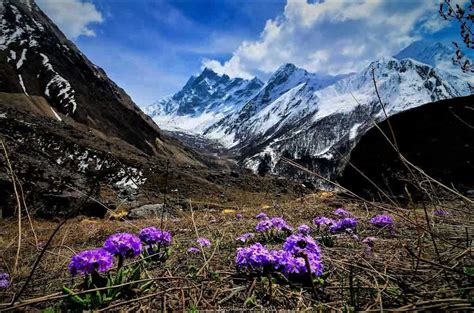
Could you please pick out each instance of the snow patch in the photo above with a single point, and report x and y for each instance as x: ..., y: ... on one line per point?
x: 56, y: 115
x: 20, y: 79
x: 59, y: 86
x: 353, y: 131
x: 22, y: 59
x: 12, y: 56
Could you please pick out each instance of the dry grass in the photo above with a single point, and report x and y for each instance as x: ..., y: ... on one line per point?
x: 403, y: 272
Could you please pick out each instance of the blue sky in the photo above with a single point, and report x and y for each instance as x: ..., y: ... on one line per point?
x: 151, y: 47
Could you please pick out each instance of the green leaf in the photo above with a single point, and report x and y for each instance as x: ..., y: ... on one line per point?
x: 74, y: 297
x: 146, y: 286
x: 469, y: 270
x: 250, y: 301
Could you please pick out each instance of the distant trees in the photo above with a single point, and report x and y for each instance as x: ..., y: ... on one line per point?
x: 464, y: 15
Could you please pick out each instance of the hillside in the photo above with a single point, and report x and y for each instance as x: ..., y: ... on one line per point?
x: 435, y: 137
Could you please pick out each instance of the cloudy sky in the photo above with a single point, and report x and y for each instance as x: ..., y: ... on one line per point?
x: 151, y: 47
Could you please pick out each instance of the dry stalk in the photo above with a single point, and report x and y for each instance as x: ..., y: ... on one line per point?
x: 10, y: 169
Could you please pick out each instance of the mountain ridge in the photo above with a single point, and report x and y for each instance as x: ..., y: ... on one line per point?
x: 294, y: 105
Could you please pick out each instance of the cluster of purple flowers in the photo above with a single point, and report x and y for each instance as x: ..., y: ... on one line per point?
x: 280, y: 224
x: 89, y: 261
x: 440, y: 212
x: 194, y: 250
x: 323, y: 221
x: 203, y: 242
x: 255, y: 257
x: 348, y: 223
x: 289, y: 261
x: 300, y: 243
x: 123, y: 244
x: 153, y: 235
x: 290, y: 264
x: 245, y: 237
x: 4, y: 280
x: 275, y: 223
x: 382, y: 221
x: 342, y: 212
x: 304, y: 229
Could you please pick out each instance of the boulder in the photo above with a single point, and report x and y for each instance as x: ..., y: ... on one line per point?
x: 146, y: 211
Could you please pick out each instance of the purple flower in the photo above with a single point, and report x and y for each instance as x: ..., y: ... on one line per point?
x: 4, y: 280
x: 280, y: 224
x: 440, y: 212
x: 89, y: 261
x: 276, y: 223
x: 261, y: 215
x: 344, y: 224
x: 264, y: 226
x: 124, y: 244
x: 194, y: 250
x: 153, y: 235
x: 342, y: 212
x: 238, y: 216
x: 203, y: 242
x: 323, y: 221
x: 382, y: 221
x: 291, y: 264
x: 304, y: 229
x: 299, y: 243
x: 245, y: 237
x: 255, y: 257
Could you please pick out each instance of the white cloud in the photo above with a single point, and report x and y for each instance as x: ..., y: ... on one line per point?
x: 331, y: 36
x: 433, y: 24
x: 73, y: 17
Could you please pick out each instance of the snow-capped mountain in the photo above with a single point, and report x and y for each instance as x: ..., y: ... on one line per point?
x: 322, y: 125
x: 316, y: 118
x: 204, y: 100
x: 235, y: 128
x: 428, y: 52
x: 435, y: 54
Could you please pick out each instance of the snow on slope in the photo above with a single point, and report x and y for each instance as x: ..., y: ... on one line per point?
x: 204, y: 100
x: 268, y: 105
x: 338, y: 114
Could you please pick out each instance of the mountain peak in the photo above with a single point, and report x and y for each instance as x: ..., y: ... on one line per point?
x: 426, y: 51
x: 286, y: 68
x: 208, y: 72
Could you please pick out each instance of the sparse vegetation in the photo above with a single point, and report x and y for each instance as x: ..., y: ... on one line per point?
x: 418, y: 266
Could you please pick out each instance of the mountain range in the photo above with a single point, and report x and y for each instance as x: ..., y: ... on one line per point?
x: 310, y: 117
x: 71, y: 131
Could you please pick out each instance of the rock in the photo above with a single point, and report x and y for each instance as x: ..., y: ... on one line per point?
x: 67, y: 204
x: 146, y: 211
